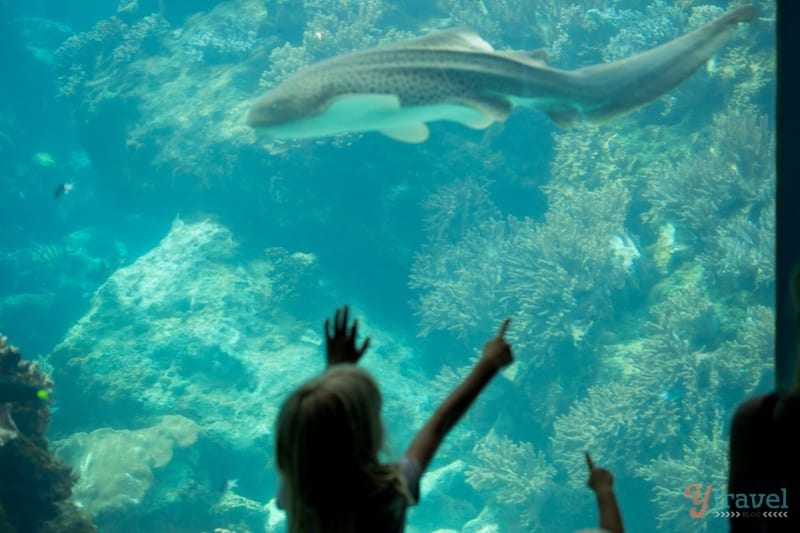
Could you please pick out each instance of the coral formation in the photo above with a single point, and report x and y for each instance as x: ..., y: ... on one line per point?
x: 107, y: 49
x: 640, y: 295
x: 649, y: 274
x: 454, y: 208
x: 516, y: 475
x: 461, y: 294
x: 537, y: 273
x: 194, y: 312
x: 703, y: 460
x: 116, y: 466
x: 199, y: 328
x: 35, y: 486
x: 134, y: 83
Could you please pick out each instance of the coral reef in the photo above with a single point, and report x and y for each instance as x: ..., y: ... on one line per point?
x: 461, y: 294
x: 107, y: 50
x: 35, y: 486
x: 743, y: 363
x: 198, y: 328
x: 640, y: 293
x: 607, y: 421
x: 704, y: 461
x: 116, y: 466
x: 454, y: 208
x: 184, y: 330
x: 515, y: 475
x: 537, y: 273
x: 650, y: 273
x: 133, y: 85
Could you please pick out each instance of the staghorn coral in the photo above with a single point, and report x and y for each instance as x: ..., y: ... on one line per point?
x: 724, y: 197
x: 743, y: 251
x: 653, y: 374
x: 691, y: 354
x: 546, y: 307
x: 463, y: 282
x: 636, y: 30
x: 162, y: 109
x: 537, y: 273
x: 330, y: 28
x: 333, y: 27
x: 454, y: 208
x: 35, y: 486
x: 514, y: 473
x: 560, y: 274
x: 447, y: 379
x: 680, y: 304
x: 749, y: 66
x: 745, y: 361
x: 605, y: 422
x: 703, y: 461
x: 230, y: 32
x: 86, y: 62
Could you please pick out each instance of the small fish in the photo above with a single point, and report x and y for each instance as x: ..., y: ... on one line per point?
x: 48, y: 253
x: 228, y: 485
x: 12, y: 391
x: 673, y: 394
x: 44, y: 159
x: 62, y: 189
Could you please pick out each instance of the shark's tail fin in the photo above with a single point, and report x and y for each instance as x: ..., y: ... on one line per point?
x: 619, y: 87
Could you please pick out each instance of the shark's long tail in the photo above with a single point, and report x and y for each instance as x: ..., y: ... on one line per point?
x: 615, y: 88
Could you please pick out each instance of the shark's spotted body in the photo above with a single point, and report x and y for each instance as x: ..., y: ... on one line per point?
x: 457, y: 76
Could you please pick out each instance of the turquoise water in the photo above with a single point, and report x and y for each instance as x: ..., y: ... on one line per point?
x: 176, y: 294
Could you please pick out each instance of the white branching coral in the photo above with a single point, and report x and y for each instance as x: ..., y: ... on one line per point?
x: 702, y: 461
x: 744, y: 362
x: 602, y: 423
x: 513, y: 472
x: 553, y: 278
x: 455, y: 208
x: 463, y: 282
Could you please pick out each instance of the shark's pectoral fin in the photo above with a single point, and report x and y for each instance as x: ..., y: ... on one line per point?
x: 564, y: 119
x: 408, y: 133
x: 487, y: 110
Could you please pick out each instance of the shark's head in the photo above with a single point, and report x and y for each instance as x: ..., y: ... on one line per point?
x: 287, y: 103
x: 318, y: 102
x: 315, y: 102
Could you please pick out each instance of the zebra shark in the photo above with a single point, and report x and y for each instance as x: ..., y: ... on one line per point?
x: 455, y: 75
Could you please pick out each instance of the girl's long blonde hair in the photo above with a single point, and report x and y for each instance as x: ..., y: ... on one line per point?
x: 329, y: 434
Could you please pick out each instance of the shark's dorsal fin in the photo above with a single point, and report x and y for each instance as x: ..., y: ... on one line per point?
x: 461, y: 38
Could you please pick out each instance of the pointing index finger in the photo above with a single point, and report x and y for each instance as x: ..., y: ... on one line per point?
x: 589, y: 462
x: 503, y: 327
